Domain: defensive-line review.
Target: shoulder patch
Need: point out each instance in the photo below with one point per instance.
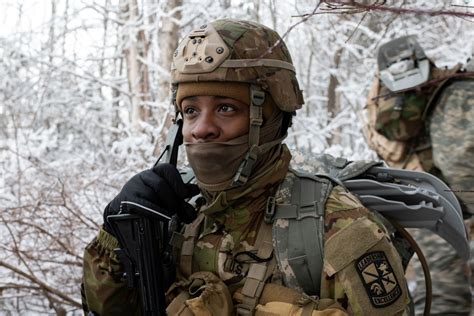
(378, 278)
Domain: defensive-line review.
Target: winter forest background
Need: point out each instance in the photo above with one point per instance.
(84, 105)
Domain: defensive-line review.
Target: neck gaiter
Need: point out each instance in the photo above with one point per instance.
(216, 163)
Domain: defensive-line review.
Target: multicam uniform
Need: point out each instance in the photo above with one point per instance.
(448, 152)
(229, 230)
(223, 261)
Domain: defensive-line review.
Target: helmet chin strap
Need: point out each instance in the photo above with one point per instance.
(257, 97)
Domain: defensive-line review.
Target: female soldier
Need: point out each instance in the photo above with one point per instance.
(235, 86)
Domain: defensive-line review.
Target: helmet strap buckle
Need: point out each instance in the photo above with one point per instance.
(245, 168)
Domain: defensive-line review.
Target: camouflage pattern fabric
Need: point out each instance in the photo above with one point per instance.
(232, 220)
(348, 222)
(218, 251)
(231, 223)
(213, 299)
(395, 153)
(471, 259)
(103, 290)
(449, 275)
(399, 117)
(451, 131)
(229, 231)
(370, 271)
(238, 35)
(452, 137)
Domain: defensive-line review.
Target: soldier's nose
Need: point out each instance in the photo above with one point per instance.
(205, 128)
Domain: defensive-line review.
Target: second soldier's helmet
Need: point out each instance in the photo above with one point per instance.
(402, 64)
(238, 51)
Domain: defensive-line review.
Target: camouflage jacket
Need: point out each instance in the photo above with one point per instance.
(451, 129)
(362, 272)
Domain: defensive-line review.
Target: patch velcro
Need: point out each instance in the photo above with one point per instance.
(378, 278)
(345, 246)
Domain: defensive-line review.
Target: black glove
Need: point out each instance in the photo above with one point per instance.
(160, 189)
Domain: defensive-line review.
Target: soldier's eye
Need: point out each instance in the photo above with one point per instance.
(226, 108)
(188, 111)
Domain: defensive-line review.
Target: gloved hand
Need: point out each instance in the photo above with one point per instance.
(160, 189)
(202, 294)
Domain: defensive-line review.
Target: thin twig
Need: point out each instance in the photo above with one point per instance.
(280, 41)
(43, 285)
(352, 5)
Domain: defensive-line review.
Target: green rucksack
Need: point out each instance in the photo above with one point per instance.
(401, 115)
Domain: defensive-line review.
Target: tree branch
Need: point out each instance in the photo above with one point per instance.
(42, 285)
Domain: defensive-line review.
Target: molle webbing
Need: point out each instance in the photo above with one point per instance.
(258, 272)
(301, 241)
(185, 244)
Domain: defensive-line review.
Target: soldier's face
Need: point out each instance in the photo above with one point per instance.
(213, 119)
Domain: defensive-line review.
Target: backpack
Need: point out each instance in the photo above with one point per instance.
(396, 127)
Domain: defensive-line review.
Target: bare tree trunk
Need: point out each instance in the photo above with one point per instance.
(273, 11)
(136, 50)
(65, 31)
(117, 72)
(254, 13)
(20, 14)
(52, 34)
(225, 4)
(104, 38)
(168, 39)
(334, 105)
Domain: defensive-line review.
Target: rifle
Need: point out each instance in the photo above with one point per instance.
(143, 236)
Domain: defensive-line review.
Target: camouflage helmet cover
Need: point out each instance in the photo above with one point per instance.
(238, 51)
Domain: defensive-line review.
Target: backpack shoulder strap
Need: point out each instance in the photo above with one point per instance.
(298, 230)
(444, 76)
(297, 213)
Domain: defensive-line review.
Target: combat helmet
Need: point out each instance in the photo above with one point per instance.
(237, 51)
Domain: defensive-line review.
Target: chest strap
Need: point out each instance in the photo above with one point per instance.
(258, 273)
(186, 243)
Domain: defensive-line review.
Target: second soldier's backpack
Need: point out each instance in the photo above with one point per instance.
(403, 93)
(396, 127)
